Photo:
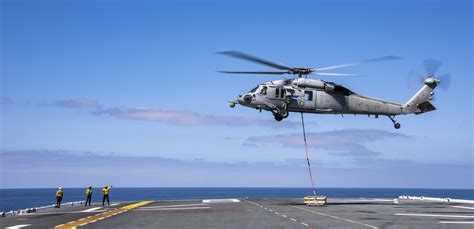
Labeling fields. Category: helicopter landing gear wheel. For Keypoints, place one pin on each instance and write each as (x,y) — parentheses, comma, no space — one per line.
(284,113)
(395,123)
(278,116)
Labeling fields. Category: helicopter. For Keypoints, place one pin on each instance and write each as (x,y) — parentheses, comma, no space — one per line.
(305,95)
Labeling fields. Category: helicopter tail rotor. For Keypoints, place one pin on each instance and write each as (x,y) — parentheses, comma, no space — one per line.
(415,79)
(446,79)
(431,66)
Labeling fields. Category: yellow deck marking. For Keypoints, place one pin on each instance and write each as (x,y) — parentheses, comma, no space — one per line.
(101,216)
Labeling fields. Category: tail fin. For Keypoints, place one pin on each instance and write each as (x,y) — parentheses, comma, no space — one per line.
(420,102)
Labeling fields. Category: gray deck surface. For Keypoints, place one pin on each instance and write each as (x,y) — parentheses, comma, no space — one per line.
(257,213)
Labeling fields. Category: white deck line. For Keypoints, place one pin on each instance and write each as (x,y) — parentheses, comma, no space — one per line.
(55,213)
(463,207)
(18,226)
(436,199)
(331,216)
(91,209)
(212,201)
(457,222)
(435,215)
(343,219)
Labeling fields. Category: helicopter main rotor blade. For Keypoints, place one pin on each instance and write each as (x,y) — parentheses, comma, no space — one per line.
(380,59)
(431,66)
(268,73)
(254,59)
(335,74)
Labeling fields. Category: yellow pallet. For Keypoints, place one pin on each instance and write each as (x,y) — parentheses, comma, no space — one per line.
(315,200)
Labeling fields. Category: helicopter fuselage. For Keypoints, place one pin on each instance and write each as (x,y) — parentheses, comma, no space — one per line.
(321,97)
(317,96)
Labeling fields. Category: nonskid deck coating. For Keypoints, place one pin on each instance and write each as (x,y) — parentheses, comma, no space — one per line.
(253,213)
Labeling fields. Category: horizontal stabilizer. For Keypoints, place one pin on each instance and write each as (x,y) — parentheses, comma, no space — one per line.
(426,107)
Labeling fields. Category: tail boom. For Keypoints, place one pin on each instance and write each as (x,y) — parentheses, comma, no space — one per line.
(421,101)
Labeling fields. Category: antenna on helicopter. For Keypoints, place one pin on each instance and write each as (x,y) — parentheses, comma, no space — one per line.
(297,71)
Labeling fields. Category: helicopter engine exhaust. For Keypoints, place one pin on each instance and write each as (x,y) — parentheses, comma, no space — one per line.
(310,83)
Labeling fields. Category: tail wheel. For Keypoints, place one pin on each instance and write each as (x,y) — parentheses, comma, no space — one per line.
(395,123)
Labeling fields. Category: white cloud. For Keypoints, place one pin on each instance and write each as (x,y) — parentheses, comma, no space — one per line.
(43,168)
(189,118)
(78,103)
(4,100)
(347,142)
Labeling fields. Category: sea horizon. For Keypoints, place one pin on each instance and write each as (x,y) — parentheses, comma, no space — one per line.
(21,198)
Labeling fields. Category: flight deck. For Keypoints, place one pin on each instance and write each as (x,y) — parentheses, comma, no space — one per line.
(251,213)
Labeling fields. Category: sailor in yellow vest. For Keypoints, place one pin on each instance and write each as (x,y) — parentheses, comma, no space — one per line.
(105,191)
(59,197)
(89,195)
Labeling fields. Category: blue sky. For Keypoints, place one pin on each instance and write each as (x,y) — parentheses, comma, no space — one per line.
(88,80)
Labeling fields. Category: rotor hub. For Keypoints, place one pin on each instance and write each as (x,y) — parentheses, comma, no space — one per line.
(301,71)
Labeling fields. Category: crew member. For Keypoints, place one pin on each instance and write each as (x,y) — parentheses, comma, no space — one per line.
(89,195)
(105,191)
(59,197)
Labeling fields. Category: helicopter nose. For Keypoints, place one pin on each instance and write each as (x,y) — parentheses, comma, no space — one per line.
(245,99)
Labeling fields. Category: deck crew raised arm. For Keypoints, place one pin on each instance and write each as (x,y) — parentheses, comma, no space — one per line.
(105,191)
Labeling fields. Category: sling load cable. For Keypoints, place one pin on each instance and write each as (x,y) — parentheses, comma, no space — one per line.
(307,156)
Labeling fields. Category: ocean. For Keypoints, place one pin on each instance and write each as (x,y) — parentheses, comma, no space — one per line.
(14,199)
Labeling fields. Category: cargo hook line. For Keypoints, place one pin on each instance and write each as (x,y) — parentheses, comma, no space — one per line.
(307,155)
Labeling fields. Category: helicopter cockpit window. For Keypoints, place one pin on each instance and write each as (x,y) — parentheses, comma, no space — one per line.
(254,89)
(308,95)
(264,90)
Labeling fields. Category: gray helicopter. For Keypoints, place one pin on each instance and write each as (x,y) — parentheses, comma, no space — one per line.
(305,95)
